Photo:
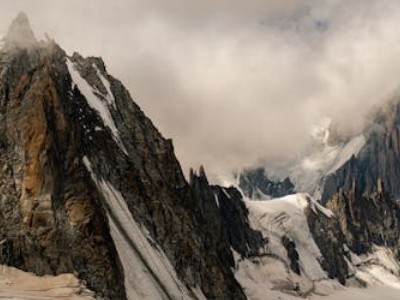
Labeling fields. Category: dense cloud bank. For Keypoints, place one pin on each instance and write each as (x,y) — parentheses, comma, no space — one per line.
(235,82)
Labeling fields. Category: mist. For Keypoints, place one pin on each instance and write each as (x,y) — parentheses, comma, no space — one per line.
(235,83)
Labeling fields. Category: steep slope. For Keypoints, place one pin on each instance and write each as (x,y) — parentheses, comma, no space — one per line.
(51,220)
(364,191)
(89,186)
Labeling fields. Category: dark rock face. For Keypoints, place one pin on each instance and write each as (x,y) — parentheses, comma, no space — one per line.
(367,219)
(363,195)
(224,211)
(242,238)
(224,220)
(329,239)
(255,184)
(292,254)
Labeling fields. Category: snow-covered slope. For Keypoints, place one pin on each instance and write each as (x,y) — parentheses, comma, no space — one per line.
(277,219)
(329,153)
(271,275)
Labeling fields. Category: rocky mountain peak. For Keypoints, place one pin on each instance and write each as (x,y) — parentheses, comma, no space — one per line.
(20,34)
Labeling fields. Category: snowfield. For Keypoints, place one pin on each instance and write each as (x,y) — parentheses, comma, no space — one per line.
(270,276)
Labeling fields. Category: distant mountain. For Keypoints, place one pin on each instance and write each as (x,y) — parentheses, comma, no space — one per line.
(255,184)
(355,222)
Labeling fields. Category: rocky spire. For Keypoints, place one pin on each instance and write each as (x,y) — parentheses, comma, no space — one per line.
(20,34)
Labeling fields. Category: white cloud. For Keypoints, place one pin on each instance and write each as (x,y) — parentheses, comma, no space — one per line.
(234,82)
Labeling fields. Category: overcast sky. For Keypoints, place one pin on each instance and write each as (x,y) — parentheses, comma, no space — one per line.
(235,82)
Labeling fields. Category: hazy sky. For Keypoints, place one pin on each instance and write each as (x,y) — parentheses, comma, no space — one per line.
(234,82)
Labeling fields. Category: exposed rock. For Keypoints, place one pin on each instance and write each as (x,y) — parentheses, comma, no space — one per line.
(46,231)
(292,254)
(255,184)
(330,240)
(227,216)
(362,194)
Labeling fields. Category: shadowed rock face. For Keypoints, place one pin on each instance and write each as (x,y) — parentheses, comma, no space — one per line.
(226,216)
(255,184)
(52,218)
(329,238)
(363,194)
(364,191)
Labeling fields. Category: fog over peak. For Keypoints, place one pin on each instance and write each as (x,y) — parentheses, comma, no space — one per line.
(235,83)
(20,33)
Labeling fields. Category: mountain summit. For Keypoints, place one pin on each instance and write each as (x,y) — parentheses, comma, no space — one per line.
(20,34)
(89,186)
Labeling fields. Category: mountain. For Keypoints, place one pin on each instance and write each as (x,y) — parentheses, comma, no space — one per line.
(91,190)
(353,217)
(89,186)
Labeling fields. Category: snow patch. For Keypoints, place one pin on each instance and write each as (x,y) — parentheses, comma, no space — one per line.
(148,272)
(110,96)
(216,199)
(382,292)
(378,268)
(316,207)
(226,193)
(97,104)
(17,284)
(285,217)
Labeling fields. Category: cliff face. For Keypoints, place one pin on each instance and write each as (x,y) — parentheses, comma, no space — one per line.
(255,184)
(73,145)
(364,192)
(51,220)
(363,195)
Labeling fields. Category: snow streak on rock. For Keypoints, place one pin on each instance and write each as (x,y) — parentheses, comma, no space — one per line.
(100,106)
(148,272)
